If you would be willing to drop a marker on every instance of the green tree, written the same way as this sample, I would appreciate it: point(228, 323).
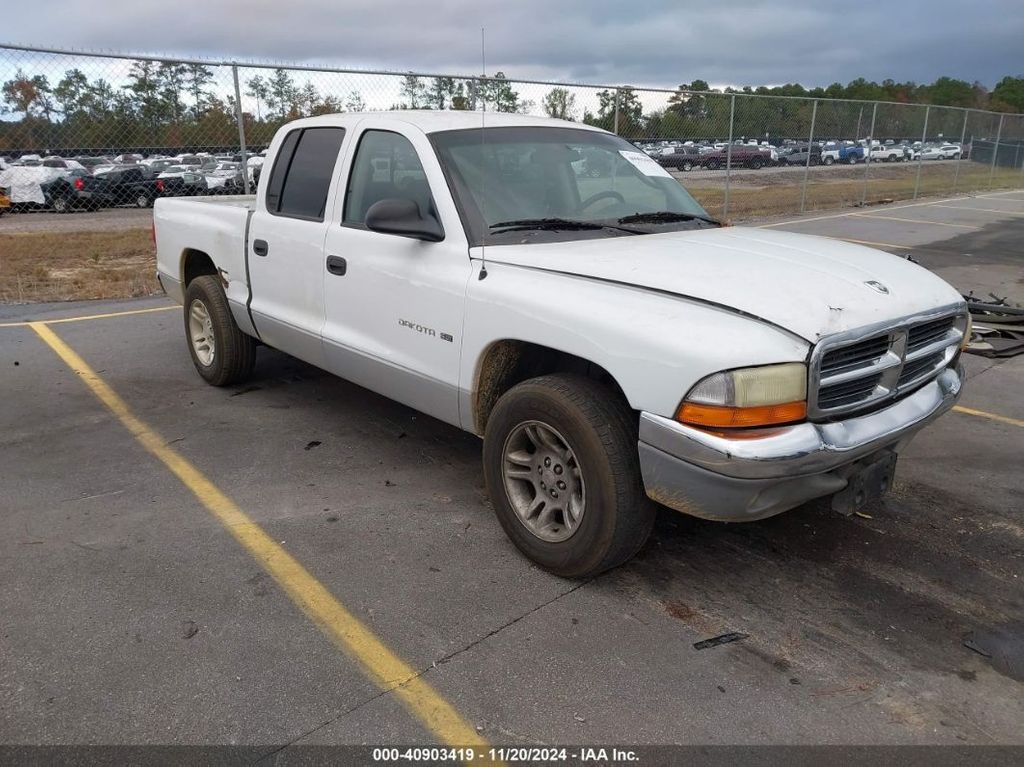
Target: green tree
point(1009, 94)
point(257, 88)
point(31, 95)
point(354, 102)
point(73, 94)
point(498, 93)
point(442, 92)
point(282, 94)
point(197, 78)
point(688, 100)
point(171, 79)
point(414, 91)
point(560, 103)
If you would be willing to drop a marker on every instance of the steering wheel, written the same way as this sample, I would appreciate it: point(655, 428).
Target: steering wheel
point(607, 193)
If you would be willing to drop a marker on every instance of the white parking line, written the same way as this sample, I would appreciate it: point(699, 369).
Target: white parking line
point(983, 210)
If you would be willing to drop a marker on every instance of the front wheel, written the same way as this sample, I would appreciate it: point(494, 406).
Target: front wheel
point(829, 160)
point(563, 474)
point(221, 352)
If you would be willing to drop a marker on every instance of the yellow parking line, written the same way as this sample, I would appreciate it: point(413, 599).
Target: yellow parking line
point(386, 669)
point(984, 210)
point(913, 220)
point(990, 416)
point(875, 244)
point(90, 317)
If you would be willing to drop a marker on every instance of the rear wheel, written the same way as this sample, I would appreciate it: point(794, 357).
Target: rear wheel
point(143, 200)
point(563, 473)
point(687, 166)
point(756, 163)
point(829, 160)
point(714, 164)
point(61, 205)
point(221, 352)
point(852, 159)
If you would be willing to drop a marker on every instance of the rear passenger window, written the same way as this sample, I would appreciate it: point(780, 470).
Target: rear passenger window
point(302, 173)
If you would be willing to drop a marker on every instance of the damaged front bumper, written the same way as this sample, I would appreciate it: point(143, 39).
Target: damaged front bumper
point(737, 480)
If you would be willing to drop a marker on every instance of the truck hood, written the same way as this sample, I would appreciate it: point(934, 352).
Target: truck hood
point(810, 286)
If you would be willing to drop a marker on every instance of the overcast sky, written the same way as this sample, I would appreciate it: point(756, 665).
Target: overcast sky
point(653, 42)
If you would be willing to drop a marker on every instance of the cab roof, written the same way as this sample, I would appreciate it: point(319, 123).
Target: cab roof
point(436, 120)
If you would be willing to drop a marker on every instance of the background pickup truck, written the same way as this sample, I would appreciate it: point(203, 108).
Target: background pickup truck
point(611, 343)
point(847, 153)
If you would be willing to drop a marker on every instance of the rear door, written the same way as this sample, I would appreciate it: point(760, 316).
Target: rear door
point(286, 241)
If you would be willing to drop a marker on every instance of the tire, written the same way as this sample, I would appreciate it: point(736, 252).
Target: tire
point(231, 356)
point(600, 432)
point(714, 164)
point(756, 164)
point(829, 160)
point(687, 166)
point(852, 159)
point(61, 205)
point(143, 200)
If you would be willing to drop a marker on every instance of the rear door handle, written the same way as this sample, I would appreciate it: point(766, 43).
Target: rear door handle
point(337, 265)
point(260, 247)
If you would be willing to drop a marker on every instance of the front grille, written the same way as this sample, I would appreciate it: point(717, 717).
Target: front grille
point(860, 369)
point(855, 355)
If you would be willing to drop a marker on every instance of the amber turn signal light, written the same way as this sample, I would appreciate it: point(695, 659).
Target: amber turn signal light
point(722, 417)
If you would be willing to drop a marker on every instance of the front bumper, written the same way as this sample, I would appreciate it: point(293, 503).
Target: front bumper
point(746, 479)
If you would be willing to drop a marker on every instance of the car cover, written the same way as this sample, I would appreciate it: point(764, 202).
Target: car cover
point(25, 184)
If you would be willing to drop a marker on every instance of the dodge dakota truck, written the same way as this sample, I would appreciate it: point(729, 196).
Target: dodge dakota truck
point(611, 342)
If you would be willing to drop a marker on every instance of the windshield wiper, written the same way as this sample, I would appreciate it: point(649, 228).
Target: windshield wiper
point(553, 224)
point(665, 217)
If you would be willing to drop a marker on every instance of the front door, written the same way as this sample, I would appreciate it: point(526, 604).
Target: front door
point(394, 305)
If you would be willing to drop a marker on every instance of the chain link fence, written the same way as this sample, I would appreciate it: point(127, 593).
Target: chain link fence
point(87, 130)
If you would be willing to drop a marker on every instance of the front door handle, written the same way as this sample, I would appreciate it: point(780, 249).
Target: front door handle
point(337, 265)
point(260, 247)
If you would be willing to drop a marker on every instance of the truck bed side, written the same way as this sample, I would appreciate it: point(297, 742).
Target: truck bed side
point(209, 235)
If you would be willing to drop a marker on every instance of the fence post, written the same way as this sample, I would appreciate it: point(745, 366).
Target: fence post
point(867, 154)
point(728, 155)
point(616, 129)
point(963, 138)
point(920, 157)
point(241, 128)
point(807, 164)
point(995, 151)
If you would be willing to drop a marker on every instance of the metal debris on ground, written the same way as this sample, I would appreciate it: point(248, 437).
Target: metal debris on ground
point(998, 327)
point(732, 636)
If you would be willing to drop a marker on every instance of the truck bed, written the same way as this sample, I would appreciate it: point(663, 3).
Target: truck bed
point(218, 226)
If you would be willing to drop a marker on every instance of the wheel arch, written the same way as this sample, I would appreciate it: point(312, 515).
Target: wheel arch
point(508, 361)
point(195, 263)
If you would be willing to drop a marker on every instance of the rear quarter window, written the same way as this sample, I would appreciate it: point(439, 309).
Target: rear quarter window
point(302, 173)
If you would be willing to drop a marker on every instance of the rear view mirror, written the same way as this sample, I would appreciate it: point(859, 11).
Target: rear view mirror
point(403, 218)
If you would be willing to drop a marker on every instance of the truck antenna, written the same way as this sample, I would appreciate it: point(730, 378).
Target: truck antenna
point(483, 159)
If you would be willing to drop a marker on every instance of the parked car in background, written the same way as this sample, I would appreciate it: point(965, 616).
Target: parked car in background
point(848, 153)
point(76, 189)
point(797, 155)
point(743, 155)
point(890, 153)
point(684, 158)
point(941, 152)
point(192, 181)
point(226, 178)
point(60, 162)
point(5, 200)
point(92, 163)
point(131, 185)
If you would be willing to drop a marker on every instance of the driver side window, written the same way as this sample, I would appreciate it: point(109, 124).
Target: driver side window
point(386, 167)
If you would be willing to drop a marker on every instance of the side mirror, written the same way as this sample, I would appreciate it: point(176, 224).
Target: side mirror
point(403, 217)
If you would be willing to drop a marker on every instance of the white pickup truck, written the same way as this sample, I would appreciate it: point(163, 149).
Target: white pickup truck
point(610, 342)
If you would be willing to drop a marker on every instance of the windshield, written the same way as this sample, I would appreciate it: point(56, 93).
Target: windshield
point(508, 180)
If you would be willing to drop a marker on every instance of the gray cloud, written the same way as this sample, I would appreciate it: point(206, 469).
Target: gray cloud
point(654, 43)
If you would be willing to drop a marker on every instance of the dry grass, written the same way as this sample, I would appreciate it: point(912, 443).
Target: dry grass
point(64, 266)
point(779, 194)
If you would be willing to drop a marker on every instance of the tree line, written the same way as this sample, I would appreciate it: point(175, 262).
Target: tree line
point(169, 104)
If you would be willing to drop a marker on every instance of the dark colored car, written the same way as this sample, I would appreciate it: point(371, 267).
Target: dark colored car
point(797, 155)
point(129, 185)
point(742, 155)
point(684, 158)
point(75, 189)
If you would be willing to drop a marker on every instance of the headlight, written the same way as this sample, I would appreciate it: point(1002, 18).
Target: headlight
point(761, 396)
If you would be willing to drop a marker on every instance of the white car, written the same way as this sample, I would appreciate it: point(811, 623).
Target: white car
point(889, 153)
point(611, 343)
point(944, 152)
